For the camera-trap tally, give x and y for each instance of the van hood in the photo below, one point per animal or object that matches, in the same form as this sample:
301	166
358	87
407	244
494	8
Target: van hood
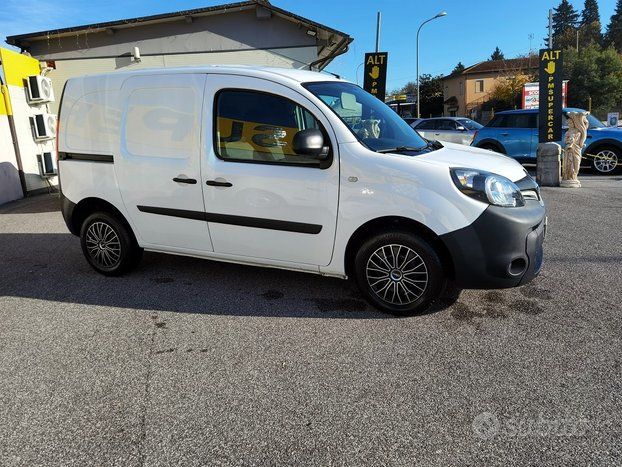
458	155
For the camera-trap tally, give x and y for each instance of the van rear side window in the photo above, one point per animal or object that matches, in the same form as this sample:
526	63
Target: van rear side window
92	123
162	122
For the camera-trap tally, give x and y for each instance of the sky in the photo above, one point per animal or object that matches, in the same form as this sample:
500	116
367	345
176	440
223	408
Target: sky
469	33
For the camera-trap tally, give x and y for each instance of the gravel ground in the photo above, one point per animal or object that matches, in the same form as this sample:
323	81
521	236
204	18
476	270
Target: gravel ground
191	362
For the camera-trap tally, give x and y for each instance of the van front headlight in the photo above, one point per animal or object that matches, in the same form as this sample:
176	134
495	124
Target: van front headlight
487	187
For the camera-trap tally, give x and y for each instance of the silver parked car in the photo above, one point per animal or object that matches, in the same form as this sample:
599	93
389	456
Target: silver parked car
452	129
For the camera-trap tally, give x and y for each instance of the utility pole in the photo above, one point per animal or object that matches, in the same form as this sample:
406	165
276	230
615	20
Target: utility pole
578	39
550	29
378	21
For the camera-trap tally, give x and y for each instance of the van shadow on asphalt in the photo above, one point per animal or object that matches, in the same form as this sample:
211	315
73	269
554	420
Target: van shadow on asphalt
52	267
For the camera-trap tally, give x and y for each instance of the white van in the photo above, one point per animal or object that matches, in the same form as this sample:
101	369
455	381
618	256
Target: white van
289	169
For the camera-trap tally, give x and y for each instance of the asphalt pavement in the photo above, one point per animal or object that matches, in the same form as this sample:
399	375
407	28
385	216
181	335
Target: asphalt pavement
193	362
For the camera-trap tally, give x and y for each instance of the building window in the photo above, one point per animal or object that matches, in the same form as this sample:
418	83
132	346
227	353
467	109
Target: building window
479	85
259	127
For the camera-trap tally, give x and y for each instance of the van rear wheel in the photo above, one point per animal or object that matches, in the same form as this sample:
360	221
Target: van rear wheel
399	273
108	245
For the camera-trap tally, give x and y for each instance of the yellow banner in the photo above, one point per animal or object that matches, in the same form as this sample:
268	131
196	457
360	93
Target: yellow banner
18	67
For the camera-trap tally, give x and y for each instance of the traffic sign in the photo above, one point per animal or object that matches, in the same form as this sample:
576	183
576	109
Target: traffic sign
550	105
375	81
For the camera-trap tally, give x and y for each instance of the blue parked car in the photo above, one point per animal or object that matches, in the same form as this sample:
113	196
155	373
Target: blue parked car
515	133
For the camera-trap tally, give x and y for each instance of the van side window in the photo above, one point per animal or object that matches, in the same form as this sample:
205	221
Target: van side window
162	122
91	123
252	126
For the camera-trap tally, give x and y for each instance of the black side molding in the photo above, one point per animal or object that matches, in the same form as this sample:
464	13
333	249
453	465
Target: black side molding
107	158
257	222
183	213
260	223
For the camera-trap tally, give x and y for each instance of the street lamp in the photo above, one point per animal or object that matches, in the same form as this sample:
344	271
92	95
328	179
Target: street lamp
357	72
440	15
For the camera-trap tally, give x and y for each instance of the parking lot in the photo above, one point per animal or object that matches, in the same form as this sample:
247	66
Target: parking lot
192	362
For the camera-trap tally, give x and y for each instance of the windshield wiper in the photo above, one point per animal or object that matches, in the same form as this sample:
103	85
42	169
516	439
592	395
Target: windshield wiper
401	149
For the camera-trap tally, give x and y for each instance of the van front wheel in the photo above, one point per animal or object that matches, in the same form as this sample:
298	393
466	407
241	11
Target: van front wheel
108	245
399	273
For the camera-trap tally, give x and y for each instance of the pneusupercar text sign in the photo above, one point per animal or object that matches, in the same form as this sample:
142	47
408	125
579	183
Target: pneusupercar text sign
551	83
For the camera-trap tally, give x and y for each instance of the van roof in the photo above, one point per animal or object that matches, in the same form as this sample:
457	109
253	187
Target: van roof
273	73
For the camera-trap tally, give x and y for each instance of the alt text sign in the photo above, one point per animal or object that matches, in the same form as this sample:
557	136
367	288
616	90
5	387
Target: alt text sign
375	81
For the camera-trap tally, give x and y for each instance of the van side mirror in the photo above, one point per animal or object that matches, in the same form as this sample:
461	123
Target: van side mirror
310	142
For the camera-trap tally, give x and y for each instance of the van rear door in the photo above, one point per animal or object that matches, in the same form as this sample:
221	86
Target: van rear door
159	169
262	199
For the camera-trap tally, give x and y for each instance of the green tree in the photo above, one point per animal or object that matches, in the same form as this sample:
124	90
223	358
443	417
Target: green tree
459	68
497	54
565	20
590	24
613	36
431	94
597	74
408	88
590	12
507	93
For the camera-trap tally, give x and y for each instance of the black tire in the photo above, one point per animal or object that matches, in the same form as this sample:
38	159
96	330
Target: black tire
109	245
609	163
411	252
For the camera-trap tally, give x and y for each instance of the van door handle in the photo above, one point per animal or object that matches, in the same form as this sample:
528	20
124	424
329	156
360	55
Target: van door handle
218	183
189	181
504	134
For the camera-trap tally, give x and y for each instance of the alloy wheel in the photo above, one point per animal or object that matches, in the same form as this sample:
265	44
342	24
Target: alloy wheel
397	274
606	161
103	245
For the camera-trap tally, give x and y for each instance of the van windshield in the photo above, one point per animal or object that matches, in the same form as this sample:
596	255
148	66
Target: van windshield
372	121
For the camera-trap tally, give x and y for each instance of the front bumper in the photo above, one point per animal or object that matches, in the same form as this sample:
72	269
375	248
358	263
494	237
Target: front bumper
502	248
